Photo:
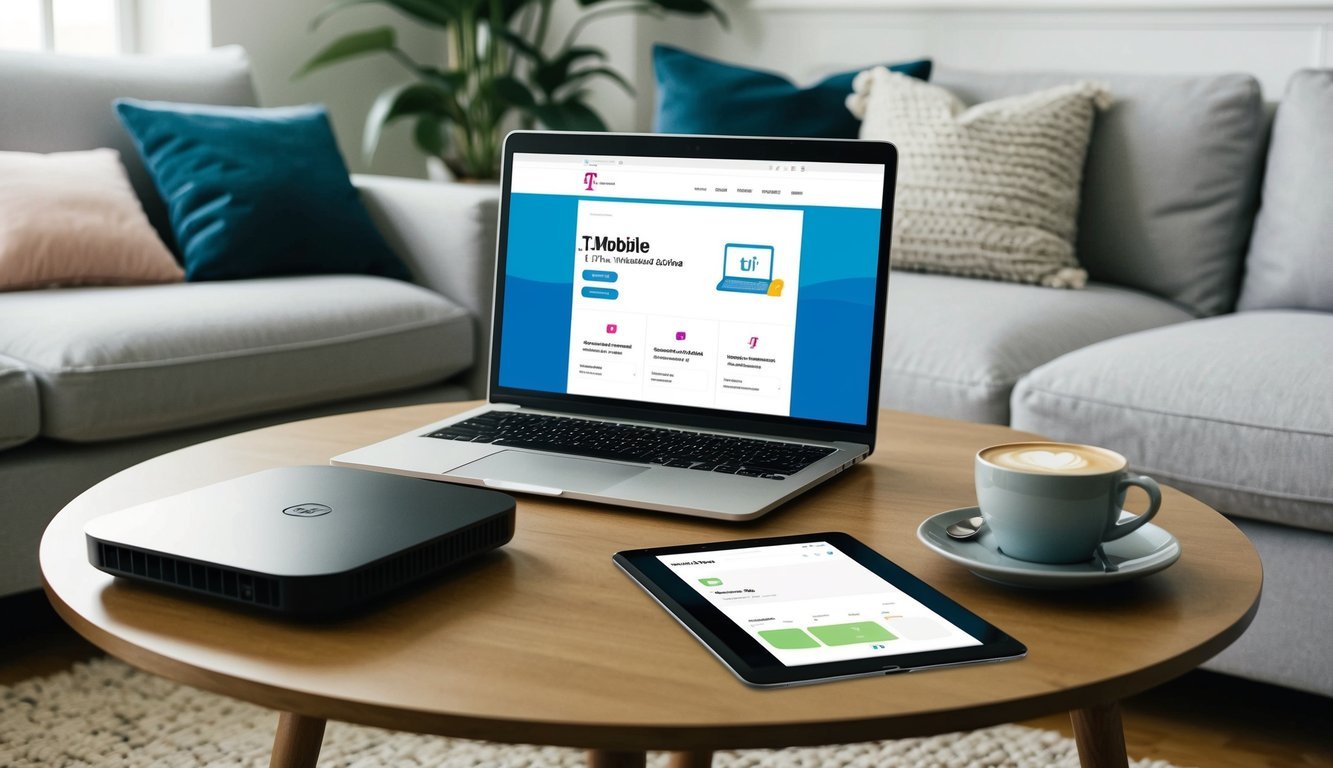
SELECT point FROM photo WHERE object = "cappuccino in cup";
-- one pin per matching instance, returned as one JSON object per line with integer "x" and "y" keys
{"x": 1054, "y": 458}
{"x": 1050, "y": 502}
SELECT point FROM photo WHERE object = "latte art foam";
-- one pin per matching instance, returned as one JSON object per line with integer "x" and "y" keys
{"x": 1054, "y": 458}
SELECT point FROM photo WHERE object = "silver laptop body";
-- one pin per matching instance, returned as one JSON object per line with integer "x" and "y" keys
{"x": 674, "y": 294}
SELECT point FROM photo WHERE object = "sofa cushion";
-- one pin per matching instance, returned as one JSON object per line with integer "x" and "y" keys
{"x": 71, "y": 218}
{"x": 19, "y": 410}
{"x": 955, "y": 347}
{"x": 1234, "y": 410}
{"x": 1287, "y": 643}
{"x": 118, "y": 362}
{"x": 54, "y": 103}
{"x": 696, "y": 94}
{"x": 991, "y": 191}
{"x": 256, "y": 192}
{"x": 1290, "y": 265}
{"x": 423, "y": 220}
{"x": 1171, "y": 182}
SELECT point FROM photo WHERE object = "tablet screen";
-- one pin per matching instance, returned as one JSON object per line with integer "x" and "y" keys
{"x": 810, "y": 608}
{"x": 810, "y": 603}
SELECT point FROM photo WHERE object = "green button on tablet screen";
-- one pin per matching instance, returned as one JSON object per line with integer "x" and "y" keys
{"x": 788, "y": 639}
{"x": 849, "y": 634}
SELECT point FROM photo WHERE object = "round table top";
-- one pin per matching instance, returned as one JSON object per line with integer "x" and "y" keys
{"x": 546, "y": 641}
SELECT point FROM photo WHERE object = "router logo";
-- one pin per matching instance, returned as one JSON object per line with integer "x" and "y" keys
{"x": 309, "y": 509}
{"x": 589, "y": 179}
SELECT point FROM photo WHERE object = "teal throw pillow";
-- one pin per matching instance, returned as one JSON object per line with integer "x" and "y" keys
{"x": 701, "y": 95}
{"x": 256, "y": 192}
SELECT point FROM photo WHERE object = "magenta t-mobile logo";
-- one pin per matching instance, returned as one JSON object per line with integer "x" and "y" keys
{"x": 588, "y": 179}
{"x": 611, "y": 328}
{"x": 754, "y": 342}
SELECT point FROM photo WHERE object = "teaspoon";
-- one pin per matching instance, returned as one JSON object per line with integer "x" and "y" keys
{"x": 965, "y": 529}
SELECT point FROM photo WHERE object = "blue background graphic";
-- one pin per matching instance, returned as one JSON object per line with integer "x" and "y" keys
{"x": 839, "y": 259}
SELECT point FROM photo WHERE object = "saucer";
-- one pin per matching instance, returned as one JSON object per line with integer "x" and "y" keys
{"x": 1147, "y": 550}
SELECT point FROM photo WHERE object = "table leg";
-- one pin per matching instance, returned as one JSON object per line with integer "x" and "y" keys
{"x": 605, "y": 758}
{"x": 297, "y": 742}
{"x": 1100, "y": 736}
{"x": 695, "y": 759}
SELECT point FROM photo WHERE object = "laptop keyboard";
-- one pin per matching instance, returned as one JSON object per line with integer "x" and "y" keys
{"x": 743, "y": 284}
{"x": 769, "y": 459}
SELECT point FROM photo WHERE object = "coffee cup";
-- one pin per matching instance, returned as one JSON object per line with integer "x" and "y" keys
{"x": 1048, "y": 502}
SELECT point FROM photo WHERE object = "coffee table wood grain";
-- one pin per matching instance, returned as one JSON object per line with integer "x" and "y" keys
{"x": 546, "y": 642}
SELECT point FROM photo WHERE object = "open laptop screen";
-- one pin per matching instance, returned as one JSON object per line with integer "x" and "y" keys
{"x": 747, "y": 286}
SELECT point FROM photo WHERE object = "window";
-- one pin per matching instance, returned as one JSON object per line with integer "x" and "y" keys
{"x": 104, "y": 27}
{"x": 97, "y": 27}
{"x": 22, "y": 26}
{"x": 68, "y": 26}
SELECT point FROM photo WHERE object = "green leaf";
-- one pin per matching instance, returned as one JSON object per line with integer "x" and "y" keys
{"x": 450, "y": 81}
{"x": 584, "y": 74}
{"x": 522, "y": 46}
{"x": 548, "y": 115}
{"x": 508, "y": 9}
{"x": 555, "y": 73}
{"x": 581, "y": 117}
{"x": 690, "y": 7}
{"x": 430, "y": 136}
{"x": 376, "y": 40}
{"x": 438, "y": 13}
{"x": 510, "y": 90}
{"x": 420, "y": 98}
{"x": 569, "y": 115}
{"x": 398, "y": 102}
{"x": 577, "y": 52}
{"x": 687, "y": 6}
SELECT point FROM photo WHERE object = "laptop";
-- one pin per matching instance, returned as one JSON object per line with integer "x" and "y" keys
{"x": 747, "y": 268}
{"x": 627, "y": 368}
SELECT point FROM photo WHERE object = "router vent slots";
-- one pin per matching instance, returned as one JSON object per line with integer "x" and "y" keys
{"x": 223, "y": 582}
{"x": 408, "y": 566}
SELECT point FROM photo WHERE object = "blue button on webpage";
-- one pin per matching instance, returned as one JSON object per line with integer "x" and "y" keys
{"x": 591, "y": 292}
{"x": 600, "y": 276}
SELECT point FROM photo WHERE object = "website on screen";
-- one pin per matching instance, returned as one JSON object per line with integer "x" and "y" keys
{"x": 810, "y": 603}
{"x": 746, "y": 286}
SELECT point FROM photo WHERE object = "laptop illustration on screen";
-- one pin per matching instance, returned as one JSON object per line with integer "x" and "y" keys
{"x": 622, "y": 370}
{"x": 747, "y": 268}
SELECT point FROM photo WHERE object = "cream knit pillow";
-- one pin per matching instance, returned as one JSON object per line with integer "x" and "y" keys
{"x": 991, "y": 191}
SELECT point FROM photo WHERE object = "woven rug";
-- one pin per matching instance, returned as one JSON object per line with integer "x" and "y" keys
{"x": 105, "y": 714}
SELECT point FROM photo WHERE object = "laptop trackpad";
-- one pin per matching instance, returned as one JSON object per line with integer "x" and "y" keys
{"x": 547, "y": 473}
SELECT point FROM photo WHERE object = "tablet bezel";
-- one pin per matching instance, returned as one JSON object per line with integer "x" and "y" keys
{"x": 755, "y": 666}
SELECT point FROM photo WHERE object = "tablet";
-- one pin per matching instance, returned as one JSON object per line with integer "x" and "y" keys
{"x": 812, "y": 608}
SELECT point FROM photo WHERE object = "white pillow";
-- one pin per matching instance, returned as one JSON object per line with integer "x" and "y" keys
{"x": 991, "y": 191}
{"x": 71, "y": 218}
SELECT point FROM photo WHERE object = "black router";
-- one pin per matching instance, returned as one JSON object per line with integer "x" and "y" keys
{"x": 301, "y": 541}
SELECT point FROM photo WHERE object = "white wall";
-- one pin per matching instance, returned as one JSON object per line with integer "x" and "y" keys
{"x": 172, "y": 26}
{"x": 276, "y": 35}
{"x": 805, "y": 39}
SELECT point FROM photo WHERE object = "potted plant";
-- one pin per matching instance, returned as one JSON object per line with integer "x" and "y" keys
{"x": 502, "y": 68}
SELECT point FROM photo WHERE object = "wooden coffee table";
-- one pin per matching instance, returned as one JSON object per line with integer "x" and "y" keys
{"x": 545, "y": 641}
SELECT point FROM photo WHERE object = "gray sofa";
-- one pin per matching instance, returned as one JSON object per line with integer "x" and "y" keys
{"x": 1151, "y": 359}
{"x": 93, "y": 380}
{"x": 1203, "y": 348}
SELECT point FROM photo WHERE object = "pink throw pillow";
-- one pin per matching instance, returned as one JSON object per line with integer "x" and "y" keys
{"x": 72, "y": 218}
